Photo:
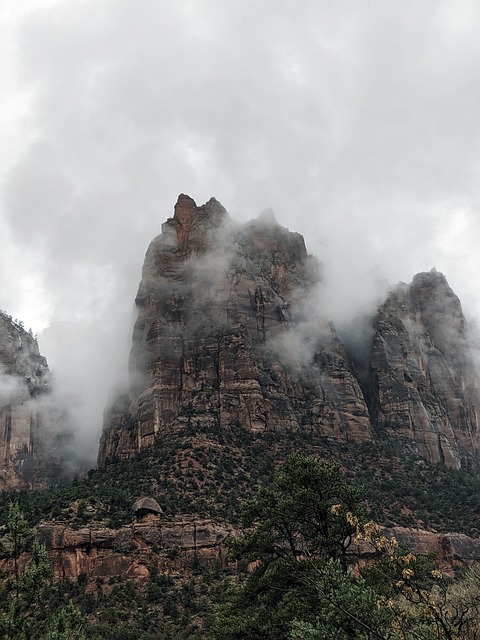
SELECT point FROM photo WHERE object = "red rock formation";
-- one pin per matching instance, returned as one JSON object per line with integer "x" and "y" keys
{"x": 451, "y": 549}
{"x": 219, "y": 339}
{"x": 223, "y": 340}
{"x": 173, "y": 545}
{"x": 169, "y": 544}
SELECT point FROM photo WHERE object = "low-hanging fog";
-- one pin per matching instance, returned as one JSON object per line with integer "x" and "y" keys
{"x": 356, "y": 122}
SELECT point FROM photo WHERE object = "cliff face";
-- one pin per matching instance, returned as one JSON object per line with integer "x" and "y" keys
{"x": 26, "y": 412}
{"x": 224, "y": 339}
{"x": 171, "y": 544}
{"x": 216, "y": 340}
{"x": 174, "y": 545}
{"x": 425, "y": 387}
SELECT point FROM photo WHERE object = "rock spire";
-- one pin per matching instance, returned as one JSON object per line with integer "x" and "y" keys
{"x": 224, "y": 339}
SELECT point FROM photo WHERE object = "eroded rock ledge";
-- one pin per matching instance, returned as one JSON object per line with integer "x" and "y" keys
{"x": 173, "y": 545}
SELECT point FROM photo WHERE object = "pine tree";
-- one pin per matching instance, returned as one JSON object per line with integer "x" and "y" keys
{"x": 26, "y": 609}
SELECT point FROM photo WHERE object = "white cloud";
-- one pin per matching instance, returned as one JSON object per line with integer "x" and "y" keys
{"x": 356, "y": 122}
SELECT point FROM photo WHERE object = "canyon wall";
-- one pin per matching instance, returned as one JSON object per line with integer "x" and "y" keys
{"x": 424, "y": 384}
{"x": 28, "y": 455}
{"x": 213, "y": 341}
{"x": 230, "y": 335}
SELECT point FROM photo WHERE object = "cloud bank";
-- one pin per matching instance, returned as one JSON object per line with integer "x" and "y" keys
{"x": 355, "y": 122}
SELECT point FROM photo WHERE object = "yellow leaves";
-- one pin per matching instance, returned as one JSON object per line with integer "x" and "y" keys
{"x": 407, "y": 592}
{"x": 381, "y": 543}
{"x": 352, "y": 519}
{"x": 335, "y": 509}
{"x": 384, "y": 544}
{"x": 407, "y": 572}
{"x": 406, "y": 560}
{"x": 370, "y": 530}
{"x": 383, "y": 602}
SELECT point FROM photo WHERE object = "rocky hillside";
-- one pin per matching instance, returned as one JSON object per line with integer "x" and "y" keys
{"x": 28, "y": 455}
{"x": 227, "y": 336}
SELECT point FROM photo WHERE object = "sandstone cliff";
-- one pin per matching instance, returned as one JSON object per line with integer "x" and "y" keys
{"x": 227, "y": 338}
{"x": 215, "y": 344}
{"x": 172, "y": 545}
{"x": 27, "y": 459}
{"x": 424, "y": 386}
{"x": 175, "y": 545}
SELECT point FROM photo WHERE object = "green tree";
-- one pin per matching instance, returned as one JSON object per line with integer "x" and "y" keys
{"x": 27, "y": 592}
{"x": 298, "y": 533}
{"x": 67, "y": 624}
{"x": 308, "y": 511}
{"x": 347, "y": 608}
{"x": 300, "y": 585}
{"x": 17, "y": 539}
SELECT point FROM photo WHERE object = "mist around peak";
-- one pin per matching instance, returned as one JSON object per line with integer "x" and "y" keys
{"x": 88, "y": 361}
{"x": 353, "y": 121}
{"x": 323, "y": 321}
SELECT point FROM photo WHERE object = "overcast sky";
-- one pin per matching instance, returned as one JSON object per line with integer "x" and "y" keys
{"x": 356, "y": 121}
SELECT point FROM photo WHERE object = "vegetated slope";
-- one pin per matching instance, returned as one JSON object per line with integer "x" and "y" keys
{"x": 211, "y": 472}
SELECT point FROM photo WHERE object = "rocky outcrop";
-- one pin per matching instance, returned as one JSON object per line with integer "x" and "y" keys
{"x": 171, "y": 545}
{"x": 222, "y": 341}
{"x": 227, "y": 337}
{"x": 424, "y": 385}
{"x": 27, "y": 451}
{"x": 144, "y": 506}
{"x": 176, "y": 545}
{"x": 451, "y": 549}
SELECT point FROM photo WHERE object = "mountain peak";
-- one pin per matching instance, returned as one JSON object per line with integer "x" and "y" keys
{"x": 222, "y": 341}
{"x": 217, "y": 342}
{"x": 192, "y": 227}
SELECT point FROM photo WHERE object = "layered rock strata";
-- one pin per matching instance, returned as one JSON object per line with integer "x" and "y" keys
{"x": 221, "y": 339}
{"x": 169, "y": 544}
{"x": 26, "y": 410}
{"x": 229, "y": 336}
{"x": 424, "y": 384}
{"x": 175, "y": 545}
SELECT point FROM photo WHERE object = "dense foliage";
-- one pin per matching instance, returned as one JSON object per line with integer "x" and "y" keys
{"x": 210, "y": 473}
{"x": 300, "y": 586}
{"x": 298, "y": 532}
{"x": 29, "y": 605}
{"x": 238, "y": 476}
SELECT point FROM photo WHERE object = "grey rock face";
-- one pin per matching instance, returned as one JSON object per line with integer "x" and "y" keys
{"x": 224, "y": 339}
{"x": 425, "y": 387}
{"x": 28, "y": 458}
{"x": 218, "y": 341}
